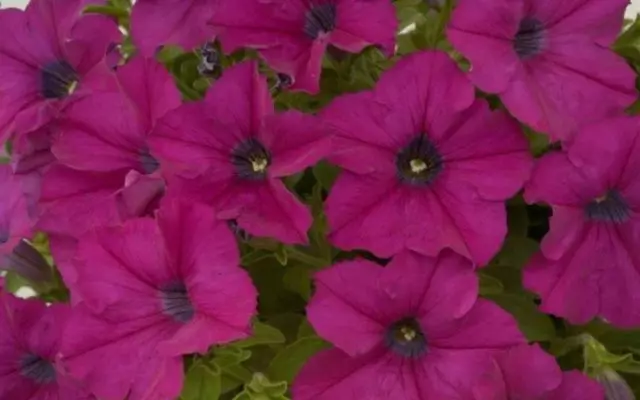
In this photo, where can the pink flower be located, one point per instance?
(151, 292)
(426, 166)
(411, 330)
(182, 22)
(589, 264)
(231, 150)
(15, 220)
(526, 372)
(292, 35)
(49, 56)
(549, 61)
(30, 335)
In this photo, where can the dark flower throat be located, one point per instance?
(406, 339)
(176, 303)
(251, 160)
(609, 208)
(320, 19)
(57, 80)
(419, 162)
(37, 369)
(529, 40)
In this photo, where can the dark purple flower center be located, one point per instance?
(529, 39)
(176, 302)
(148, 162)
(320, 18)
(609, 208)
(58, 80)
(419, 162)
(406, 339)
(251, 160)
(37, 369)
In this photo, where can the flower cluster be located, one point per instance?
(147, 195)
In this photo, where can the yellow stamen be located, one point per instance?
(259, 164)
(417, 165)
(72, 87)
(601, 198)
(408, 333)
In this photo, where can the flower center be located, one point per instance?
(148, 162)
(406, 339)
(58, 80)
(418, 163)
(176, 302)
(37, 369)
(529, 39)
(251, 160)
(320, 19)
(610, 207)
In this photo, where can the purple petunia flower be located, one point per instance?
(589, 264)
(548, 60)
(411, 330)
(152, 291)
(292, 35)
(30, 337)
(49, 56)
(426, 166)
(15, 220)
(231, 150)
(526, 372)
(179, 22)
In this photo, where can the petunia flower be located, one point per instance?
(30, 337)
(293, 35)
(151, 292)
(526, 372)
(179, 22)
(426, 166)
(549, 61)
(15, 220)
(589, 264)
(231, 150)
(414, 329)
(49, 56)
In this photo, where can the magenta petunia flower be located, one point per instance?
(30, 336)
(15, 220)
(548, 60)
(231, 150)
(412, 330)
(426, 166)
(152, 291)
(49, 56)
(526, 372)
(180, 22)
(292, 35)
(589, 264)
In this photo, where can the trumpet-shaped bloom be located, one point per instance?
(292, 35)
(589, 264)
(411, 330)
(30, 337)
(49, 56)
(549, 61)
(152, 291)
(426, 166)
(232, 149)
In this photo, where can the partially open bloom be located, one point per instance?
(589, 264)
(49, 56)
(526, 372)
(292, 35)
(30, 337)
(426, 166)
(152, 291)
(549, 61)
(411, 330)
(232, 149)
(15, 221)
(179, 22)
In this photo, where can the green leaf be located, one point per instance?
(518, 220)
(621, 339)
(261, 388)
(230, 355)
(262, 334)
(306, 330)
(281, 255)
(516, 251)
(490, 285)
(203, 382)
(286, 364)
(297, 280)
(326, 174)
(535, 325)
